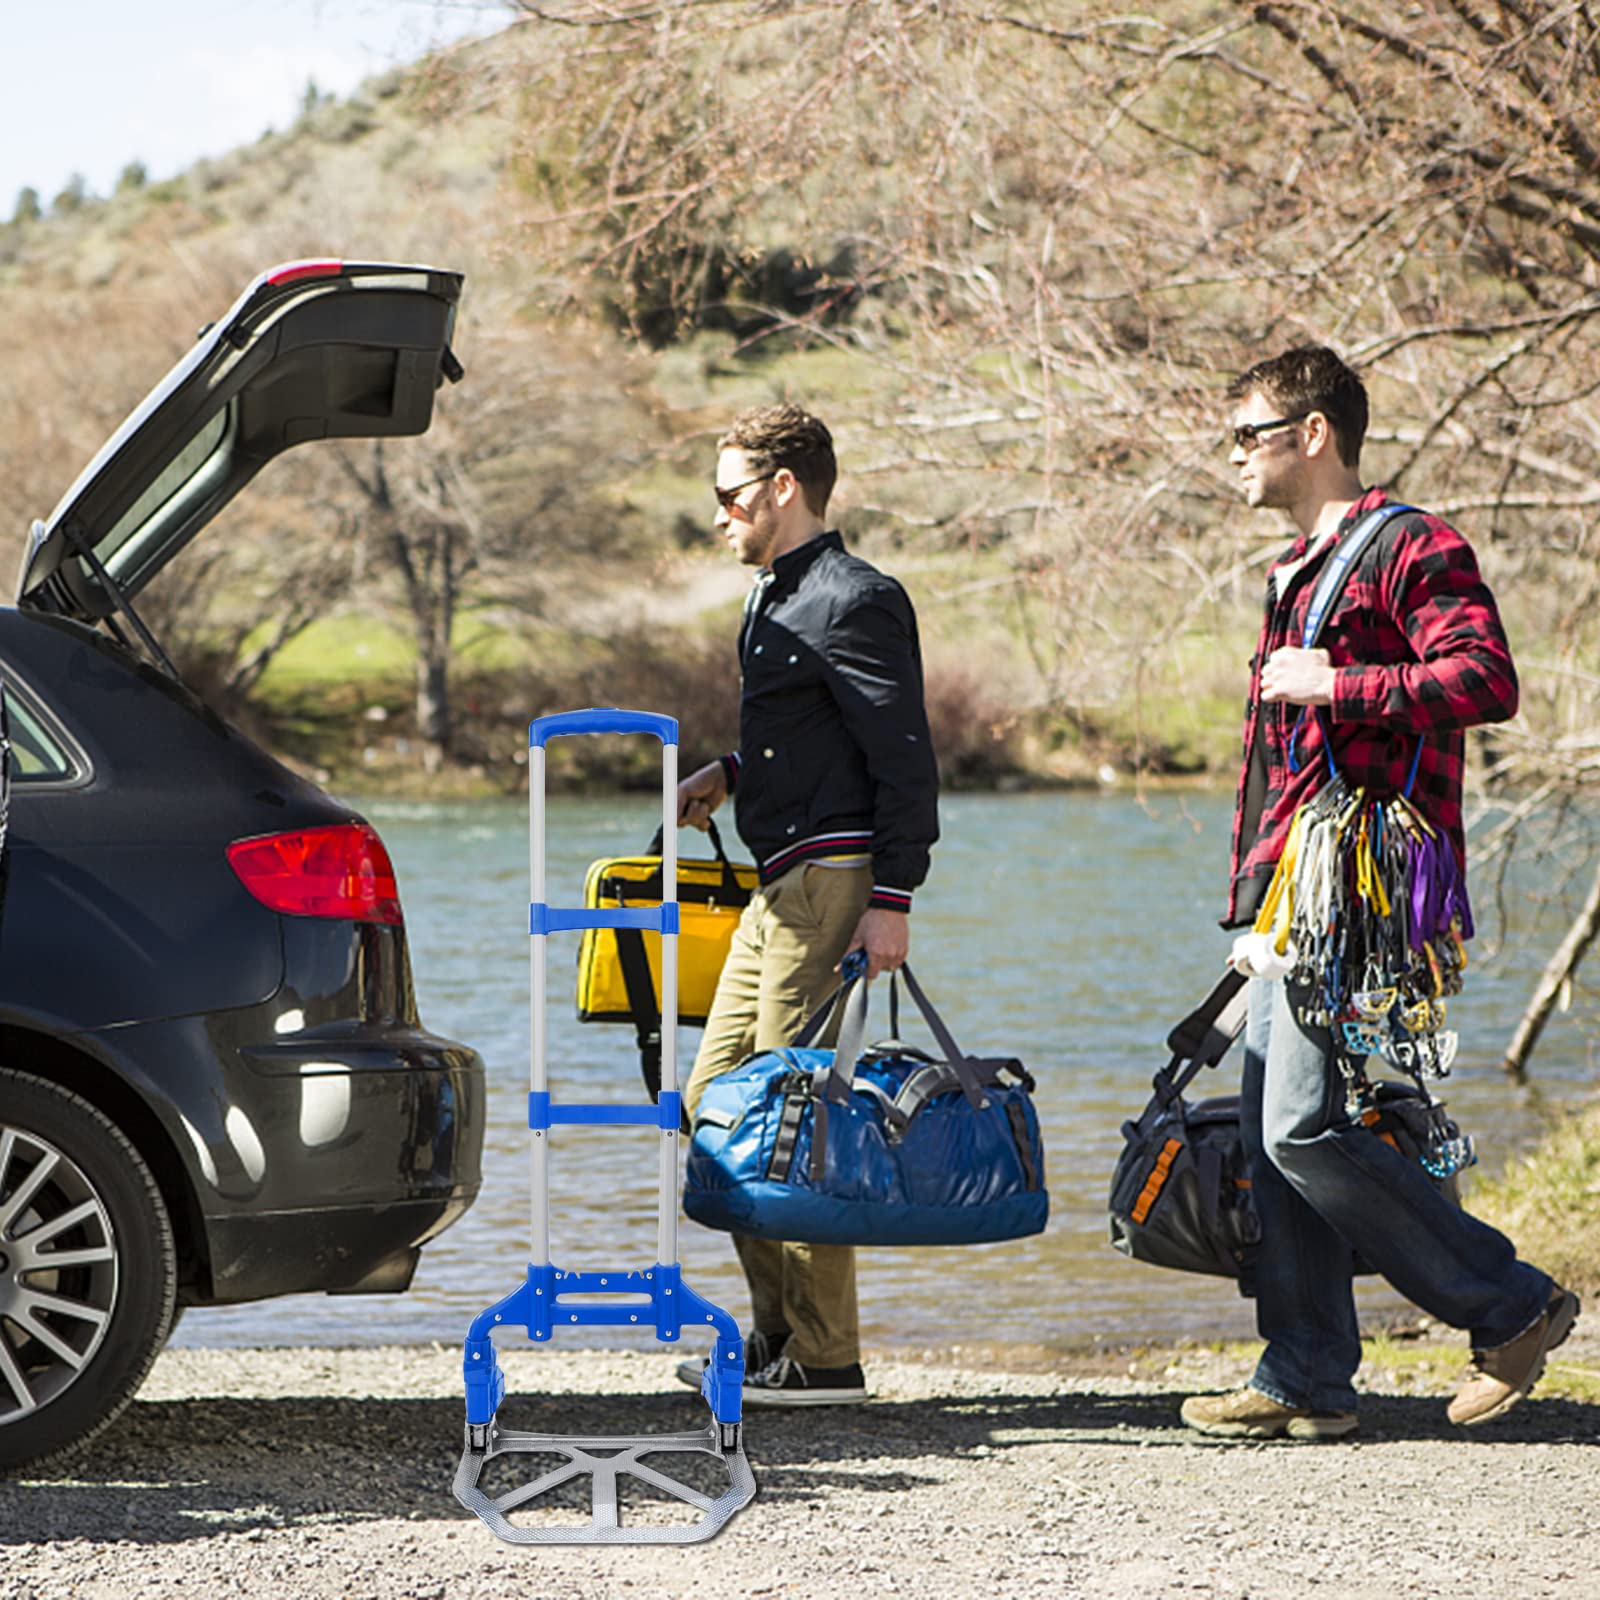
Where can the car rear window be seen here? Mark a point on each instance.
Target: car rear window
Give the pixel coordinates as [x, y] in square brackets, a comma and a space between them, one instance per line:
[36, 755]
[191, 475]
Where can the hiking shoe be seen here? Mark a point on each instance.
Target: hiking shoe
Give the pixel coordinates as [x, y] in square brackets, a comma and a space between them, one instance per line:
[1502, 1376]
[1249, 1414]
[786, 1383]
[760, 1350]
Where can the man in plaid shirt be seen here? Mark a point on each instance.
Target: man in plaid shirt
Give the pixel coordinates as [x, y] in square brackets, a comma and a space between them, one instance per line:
[1412, 654]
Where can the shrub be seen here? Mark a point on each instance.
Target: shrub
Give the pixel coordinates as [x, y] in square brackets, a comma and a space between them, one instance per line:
[974, 730]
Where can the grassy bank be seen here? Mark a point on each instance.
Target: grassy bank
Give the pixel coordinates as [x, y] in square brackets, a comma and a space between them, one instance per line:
[1548, 1201]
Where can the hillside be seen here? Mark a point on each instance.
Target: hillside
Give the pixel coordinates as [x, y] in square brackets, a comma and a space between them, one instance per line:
[1011, 261]
[417, 166]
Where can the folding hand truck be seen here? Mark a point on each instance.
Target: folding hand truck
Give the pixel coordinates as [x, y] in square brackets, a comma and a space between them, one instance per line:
[594, 1299]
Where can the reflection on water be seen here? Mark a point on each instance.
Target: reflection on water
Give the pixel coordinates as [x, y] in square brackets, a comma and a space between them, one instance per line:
[1069, 930]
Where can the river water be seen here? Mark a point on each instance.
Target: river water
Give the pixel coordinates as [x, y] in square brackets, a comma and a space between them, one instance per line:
[1070, 930]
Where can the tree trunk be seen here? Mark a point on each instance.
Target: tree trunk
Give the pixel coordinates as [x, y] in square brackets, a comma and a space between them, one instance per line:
[1556, 974]
[433, 704]
[434, 610]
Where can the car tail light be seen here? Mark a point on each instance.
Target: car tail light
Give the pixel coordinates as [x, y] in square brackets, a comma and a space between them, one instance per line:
[341, 871]
[293, 271]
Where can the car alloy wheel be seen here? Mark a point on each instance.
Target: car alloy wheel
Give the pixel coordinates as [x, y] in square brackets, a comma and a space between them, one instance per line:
[58, 1271]
[87, 1269]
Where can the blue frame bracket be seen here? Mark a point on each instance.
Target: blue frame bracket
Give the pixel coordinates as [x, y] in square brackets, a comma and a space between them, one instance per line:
[543, 1115]
[656, 1295]
[547, 919]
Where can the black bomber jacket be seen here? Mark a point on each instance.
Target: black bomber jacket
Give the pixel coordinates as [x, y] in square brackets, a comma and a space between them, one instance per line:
[834, 755]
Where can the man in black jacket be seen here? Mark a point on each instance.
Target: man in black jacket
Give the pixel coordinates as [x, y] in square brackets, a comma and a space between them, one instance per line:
[835, 790]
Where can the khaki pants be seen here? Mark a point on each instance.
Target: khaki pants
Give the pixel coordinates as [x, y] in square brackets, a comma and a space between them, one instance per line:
[779, 970]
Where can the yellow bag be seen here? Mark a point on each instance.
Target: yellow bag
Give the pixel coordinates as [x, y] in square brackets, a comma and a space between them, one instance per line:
[619, 969]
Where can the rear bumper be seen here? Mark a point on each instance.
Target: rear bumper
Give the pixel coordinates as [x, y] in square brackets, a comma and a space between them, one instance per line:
[363, 1249]
[314, 1163]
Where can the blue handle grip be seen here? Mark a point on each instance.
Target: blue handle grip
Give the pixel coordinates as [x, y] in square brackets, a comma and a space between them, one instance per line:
[602, 719]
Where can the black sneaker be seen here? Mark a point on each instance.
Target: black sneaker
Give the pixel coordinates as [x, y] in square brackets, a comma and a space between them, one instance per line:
[786, 1383]
[760, 1350]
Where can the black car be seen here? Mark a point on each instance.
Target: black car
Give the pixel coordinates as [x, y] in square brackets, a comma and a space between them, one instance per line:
[214, 1086]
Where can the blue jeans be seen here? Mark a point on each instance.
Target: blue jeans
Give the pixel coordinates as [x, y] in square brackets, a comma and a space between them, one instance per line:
[1325, 1189]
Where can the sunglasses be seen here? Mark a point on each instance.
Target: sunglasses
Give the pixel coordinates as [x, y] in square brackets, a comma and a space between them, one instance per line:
[1248, 434]
[729, 498]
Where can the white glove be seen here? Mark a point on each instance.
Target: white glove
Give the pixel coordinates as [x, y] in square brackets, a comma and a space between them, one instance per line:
[1253, 954]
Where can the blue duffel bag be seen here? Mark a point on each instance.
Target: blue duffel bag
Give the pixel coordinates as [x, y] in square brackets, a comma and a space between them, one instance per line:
[907, 1149]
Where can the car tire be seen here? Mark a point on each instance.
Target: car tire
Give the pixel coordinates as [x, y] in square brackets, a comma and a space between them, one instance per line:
[85, 1304]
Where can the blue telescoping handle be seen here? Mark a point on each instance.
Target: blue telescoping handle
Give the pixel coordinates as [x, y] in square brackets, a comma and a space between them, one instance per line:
[602, 719]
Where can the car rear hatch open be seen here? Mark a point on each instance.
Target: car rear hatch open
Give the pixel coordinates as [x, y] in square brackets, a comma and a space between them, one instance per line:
[311, 350]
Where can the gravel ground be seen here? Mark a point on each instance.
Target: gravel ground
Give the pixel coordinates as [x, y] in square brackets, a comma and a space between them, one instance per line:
[325, 1475]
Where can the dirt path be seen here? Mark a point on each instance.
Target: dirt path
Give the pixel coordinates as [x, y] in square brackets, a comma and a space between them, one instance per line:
[325, 1475]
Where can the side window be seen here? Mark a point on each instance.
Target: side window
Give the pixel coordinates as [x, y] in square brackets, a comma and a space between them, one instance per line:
[36, 755]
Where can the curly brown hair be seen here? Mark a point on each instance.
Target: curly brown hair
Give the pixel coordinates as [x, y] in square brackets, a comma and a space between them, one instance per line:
[786, 436]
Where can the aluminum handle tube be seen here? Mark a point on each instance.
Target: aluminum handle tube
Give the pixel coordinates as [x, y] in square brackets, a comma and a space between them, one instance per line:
[667, 1221]
[538, 1072]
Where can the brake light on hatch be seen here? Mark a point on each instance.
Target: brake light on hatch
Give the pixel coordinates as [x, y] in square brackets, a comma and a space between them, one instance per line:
[293, 271]
[338, 871]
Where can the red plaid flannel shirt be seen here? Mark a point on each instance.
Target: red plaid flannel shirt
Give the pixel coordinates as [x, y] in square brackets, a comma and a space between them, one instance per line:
[1419, 650]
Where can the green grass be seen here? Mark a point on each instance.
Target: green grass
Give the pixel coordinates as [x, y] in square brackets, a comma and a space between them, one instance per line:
[350, 648]
[1181, 718]
[1426, 1366]
[485, 644]
[346, 648]
[1549, 1200]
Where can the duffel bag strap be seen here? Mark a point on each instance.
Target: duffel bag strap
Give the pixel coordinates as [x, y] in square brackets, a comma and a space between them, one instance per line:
[1207, 1033]
[894, 1119]
[851, 995]
[794, 1106]
[833, 1077]
[894, 1116]
[853, 966]
[1205, 1036]
[818, 1020]
[1022, 1137]
[959, 1061]
[922, 1086]
[939, 1077]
